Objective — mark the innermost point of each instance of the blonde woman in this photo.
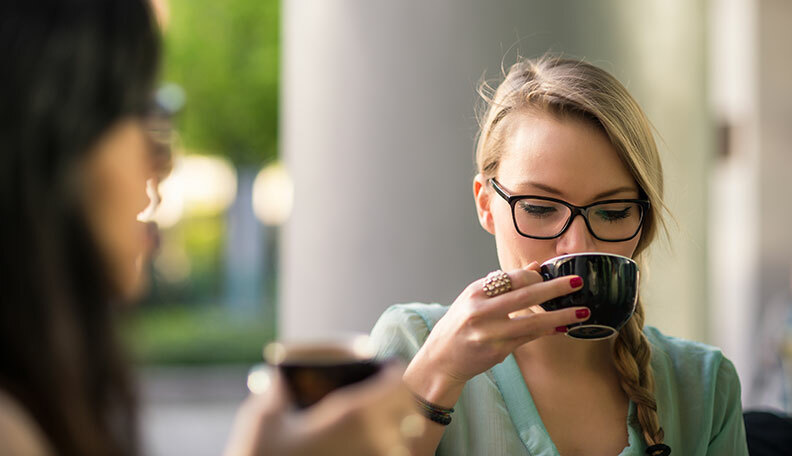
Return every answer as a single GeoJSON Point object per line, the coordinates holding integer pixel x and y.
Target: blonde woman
{"type": "Point", "coordinates": [569, 131]}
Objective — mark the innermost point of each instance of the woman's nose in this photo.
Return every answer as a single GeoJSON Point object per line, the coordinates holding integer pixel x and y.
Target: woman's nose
{"type": "Point", "coordinates": [576, 239]}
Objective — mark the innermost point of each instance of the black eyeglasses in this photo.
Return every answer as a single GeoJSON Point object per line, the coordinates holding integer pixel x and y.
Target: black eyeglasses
{"type": "Point", "coordinates": [541, 217]}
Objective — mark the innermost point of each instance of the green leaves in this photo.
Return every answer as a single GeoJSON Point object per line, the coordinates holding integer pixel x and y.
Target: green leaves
{"type": "Point", "coordinates": [226, 57]}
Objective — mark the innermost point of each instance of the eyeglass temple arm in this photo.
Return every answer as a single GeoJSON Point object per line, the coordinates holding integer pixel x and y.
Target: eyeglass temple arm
{"type": "Point", "coordinates": [498, 189]}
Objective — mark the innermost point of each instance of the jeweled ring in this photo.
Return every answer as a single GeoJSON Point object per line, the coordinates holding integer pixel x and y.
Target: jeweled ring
{"type": "Point", "coordinates": [497, 283]}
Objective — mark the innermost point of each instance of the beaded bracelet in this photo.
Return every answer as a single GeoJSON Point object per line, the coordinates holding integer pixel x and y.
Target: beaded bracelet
{"type": "Point", "coordinates": [434, 412]}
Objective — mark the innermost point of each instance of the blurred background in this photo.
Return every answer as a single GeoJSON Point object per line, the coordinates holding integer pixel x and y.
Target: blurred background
{"type": "Point", "coordinates": [324, 161]}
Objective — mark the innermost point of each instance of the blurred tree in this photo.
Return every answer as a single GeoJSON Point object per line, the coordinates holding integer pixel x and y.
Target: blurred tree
{"type": "Point", "coordinates": [224, 54]}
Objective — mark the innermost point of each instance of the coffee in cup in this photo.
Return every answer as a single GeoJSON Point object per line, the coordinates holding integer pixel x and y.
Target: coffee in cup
{"type": "Point", "coordinates": [311, 370]}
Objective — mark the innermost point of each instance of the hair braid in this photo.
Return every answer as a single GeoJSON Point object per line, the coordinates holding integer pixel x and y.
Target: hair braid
{"type": "Point", "coordinates": [632, 354]}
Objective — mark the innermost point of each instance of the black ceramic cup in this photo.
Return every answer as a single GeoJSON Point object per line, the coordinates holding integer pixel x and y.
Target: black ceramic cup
{"type": "Point", "coordinates": [610, 291]}
{"type": "Point", "coordinates": [313, 370]}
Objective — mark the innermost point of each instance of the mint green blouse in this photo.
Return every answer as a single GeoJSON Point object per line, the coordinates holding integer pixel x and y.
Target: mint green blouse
{"type": "Point", "coordinates": [697, 391]}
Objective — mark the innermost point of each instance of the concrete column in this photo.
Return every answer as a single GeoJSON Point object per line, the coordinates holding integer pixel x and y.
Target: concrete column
{"type": "Point", "coordinates": [751, 213]}
{"type": "Point", "coordinates": [775, 145]}
{"type": "Point", "coordinates": [378, 132]}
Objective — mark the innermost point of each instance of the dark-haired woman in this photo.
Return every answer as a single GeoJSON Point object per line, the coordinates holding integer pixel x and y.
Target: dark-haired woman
{"type": "Point", "coordinates": [75, 159]}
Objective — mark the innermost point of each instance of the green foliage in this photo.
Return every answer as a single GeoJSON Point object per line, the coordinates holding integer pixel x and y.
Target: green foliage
{"type": "Point", "coordinates": [225, 55]}
{"type": "Point", "coordinates": [197, 241]}
{"type": "Point", "coordinates": [197, 335]}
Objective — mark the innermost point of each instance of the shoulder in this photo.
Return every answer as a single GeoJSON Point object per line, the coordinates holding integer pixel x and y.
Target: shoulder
{"type": "Point", "coordinates": [686, 356]}
{"type": "Point", "coordinates": [19, 434]}
{"type": "Point", "coordinates": [693, 373]}
{"type": "Point", "coordinates": [675, 346]}
{"type": "Point", "coordinates": [428, 314]}
{"type": "Point", "coordinates": [403, 328]}
{"type": "Point", "coordinates": [698, 393]}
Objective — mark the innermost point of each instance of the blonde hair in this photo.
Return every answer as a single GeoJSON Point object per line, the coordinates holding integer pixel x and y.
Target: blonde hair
{"type": "Point", "coordinates": [566, 87]}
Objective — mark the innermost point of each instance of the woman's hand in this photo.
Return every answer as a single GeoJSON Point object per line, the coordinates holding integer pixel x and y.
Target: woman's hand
{"type": "Point", "coordinates": [367, 418]}
{"type": "Point", "coordinates": [478, 332]}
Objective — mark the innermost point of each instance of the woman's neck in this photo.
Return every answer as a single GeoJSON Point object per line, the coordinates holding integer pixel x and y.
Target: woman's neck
{"type": "Point", "coordinates": [561, 353]}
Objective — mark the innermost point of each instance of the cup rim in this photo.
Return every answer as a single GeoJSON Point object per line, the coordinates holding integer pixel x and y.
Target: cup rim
{"type": "Point", "coordinates": [613, 334]}
{"type": "Point", "coordinates": [587, 253]}
{"type": "Point", "coordinates": [358, 344]}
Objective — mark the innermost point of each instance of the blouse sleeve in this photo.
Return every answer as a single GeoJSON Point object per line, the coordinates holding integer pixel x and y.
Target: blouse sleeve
{"type": "Point", "coordinates": [728, 428]}
{"type": "Point", "coordinates": [399, 333]}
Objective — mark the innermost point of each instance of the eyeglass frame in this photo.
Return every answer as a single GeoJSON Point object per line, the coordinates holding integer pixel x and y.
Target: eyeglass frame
{"type": "Point", "coordinates": [644, 204]}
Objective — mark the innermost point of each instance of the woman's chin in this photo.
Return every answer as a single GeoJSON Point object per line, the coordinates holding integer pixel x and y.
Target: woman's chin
{"type": "Point", "coordinates": [134, 283]}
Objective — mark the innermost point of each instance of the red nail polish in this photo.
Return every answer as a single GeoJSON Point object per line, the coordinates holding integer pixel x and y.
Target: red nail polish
{"type": "Point", "coordinates": [561, 329]}
{"type": "Point", "coordinates": [582, 313]}
{"type": "Point", "coordinates": [575, 282]}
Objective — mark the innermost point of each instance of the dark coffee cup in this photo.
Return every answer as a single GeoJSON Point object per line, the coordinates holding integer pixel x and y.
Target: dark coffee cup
{"type": "Point", "coordinates": [313, 370]}
{"type": "Point", "coordinates": [610, 291]}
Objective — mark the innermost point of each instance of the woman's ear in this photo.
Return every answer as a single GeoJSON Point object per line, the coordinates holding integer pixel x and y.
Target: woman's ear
{"type": "Point", "coordinates": [482, 197]}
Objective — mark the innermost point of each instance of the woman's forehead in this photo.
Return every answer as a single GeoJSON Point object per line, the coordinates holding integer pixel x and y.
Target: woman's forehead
{"type": "Point", "coordinates": [567, 154]}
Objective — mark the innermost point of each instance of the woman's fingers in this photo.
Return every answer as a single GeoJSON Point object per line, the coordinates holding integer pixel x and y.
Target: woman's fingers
{"type": "Point", "coordinates": [519, 278]}
{"type": "Point", "coordinates": [385, 385]}
{"type": "Point", "coordinates": [364, 418]}
{"type": "Point", "coordinates": [535, 294]}
{"type": "Point", "coordinates": [524, 277]}
{"type": "Point", "coordinates": [542, 324]}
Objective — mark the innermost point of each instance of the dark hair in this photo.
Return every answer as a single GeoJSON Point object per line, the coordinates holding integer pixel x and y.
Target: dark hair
{"type": "Point", "coordinates": [71, 70]}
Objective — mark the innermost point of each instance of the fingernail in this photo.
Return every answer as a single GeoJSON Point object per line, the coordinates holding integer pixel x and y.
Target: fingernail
{"type": "Point", "coordinates": [576, 282]}
{"type": "Point", "coordinates": [582, 313]}
{"type": "Point", "coordinates": [561, 329]}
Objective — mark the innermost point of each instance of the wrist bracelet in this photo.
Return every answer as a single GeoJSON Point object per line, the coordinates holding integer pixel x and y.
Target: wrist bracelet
{"type": "Point", "coordinates": [434, 412]}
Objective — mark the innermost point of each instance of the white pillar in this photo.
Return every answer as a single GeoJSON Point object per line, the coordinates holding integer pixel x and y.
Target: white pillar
{"type": "Point", "coordinates": [751, 248]}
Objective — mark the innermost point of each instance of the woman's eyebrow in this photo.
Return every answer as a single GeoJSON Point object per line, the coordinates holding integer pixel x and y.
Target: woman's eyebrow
{"type": "Point", "coordinates": [545, 188]}
{"type": "Point", "coordinates": [605, 194]}
{"type": "Point", "coordinates": [615, 191]}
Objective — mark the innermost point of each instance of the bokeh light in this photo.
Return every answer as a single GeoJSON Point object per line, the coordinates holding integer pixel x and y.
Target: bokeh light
{"type": "Point", "coordinates": [199, 185]}
{"type": "Point", "coordinates": [273, 195]}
